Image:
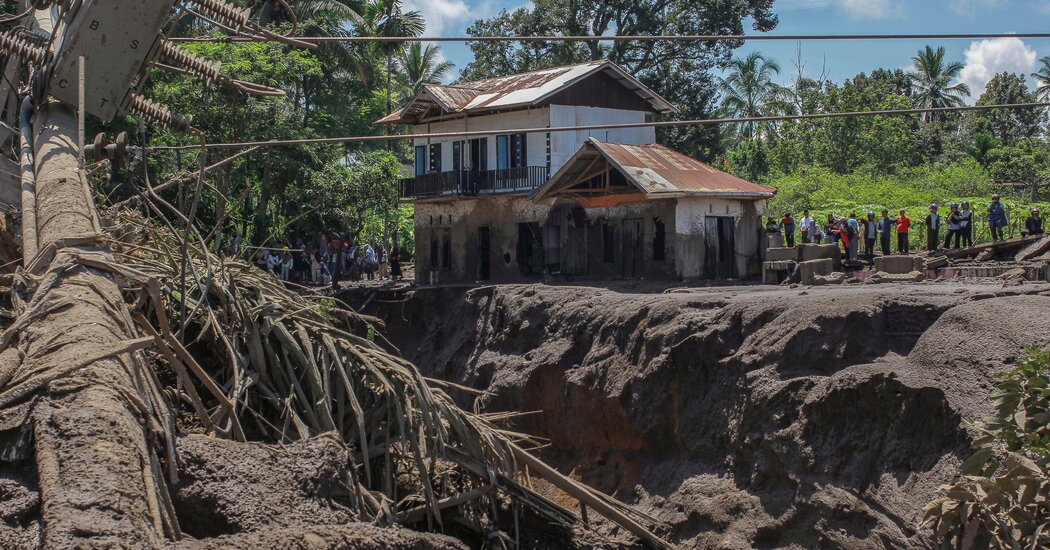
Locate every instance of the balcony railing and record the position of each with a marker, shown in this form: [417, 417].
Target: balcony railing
[469, 182]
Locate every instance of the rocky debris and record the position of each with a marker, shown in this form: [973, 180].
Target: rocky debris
[226, 487]
[743, 418]
[359, 536]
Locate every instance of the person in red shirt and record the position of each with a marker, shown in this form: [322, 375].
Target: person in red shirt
[903, 225]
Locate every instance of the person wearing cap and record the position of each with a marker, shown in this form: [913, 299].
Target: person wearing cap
[788, 224]
[1034, 224]
[887, 226]
[954, 227]
[933, 228]
[871, 231]
[966, 224]
[903, 226]
[997, 219]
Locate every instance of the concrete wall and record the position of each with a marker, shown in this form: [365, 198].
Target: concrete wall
[691, 214]
[565, 144]
[462, 218]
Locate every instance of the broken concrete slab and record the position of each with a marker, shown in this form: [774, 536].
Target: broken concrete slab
[1034, 250]
[782, 254]
[899, 265]
[809, 252]
[813, 268]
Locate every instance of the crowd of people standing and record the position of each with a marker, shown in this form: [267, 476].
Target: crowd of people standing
[327, 259]
[871, 233]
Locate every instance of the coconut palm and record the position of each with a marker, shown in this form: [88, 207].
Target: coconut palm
[1042, 78]
[748, 90]
[932, 81]
[387, 18]
[982, 146]
[423, 65]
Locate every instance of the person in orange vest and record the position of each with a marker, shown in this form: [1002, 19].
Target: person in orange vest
[788, 223]
[903, 225]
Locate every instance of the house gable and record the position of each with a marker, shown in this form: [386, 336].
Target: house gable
[599, 90]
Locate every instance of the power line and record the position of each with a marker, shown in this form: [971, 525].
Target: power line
[623, 38]
[620, 126]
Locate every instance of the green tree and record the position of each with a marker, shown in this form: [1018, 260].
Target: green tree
[423, 65]
[1009, 126]
[387, 18]
[1042, 77]
[932, 81]
[980, 150]
[748, 91]
[680, 71]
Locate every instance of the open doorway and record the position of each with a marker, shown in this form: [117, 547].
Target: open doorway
[484, 254]
[530, 249]
[719, 248]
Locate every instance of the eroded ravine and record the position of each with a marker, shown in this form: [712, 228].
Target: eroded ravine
[763, 418]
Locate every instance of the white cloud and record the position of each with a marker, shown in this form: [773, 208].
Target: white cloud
[969, 8]
[986, 58]
[857, 9]
[440, 14]
[872, 9]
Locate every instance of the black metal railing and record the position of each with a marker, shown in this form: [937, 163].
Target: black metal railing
[470, 182]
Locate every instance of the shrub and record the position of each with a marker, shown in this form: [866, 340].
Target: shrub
[1003, 498]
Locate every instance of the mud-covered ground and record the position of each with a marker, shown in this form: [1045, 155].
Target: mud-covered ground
[742, 417]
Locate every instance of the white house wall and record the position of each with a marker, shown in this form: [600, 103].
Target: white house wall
[691, 215]
[565, 144]
[498, 124]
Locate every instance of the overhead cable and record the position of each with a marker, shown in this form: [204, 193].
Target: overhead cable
[625, 38]
[590, 127]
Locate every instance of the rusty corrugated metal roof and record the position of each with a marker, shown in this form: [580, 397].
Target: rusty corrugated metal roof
[657, 170]
[513, 91]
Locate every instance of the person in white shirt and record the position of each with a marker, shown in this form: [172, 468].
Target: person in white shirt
[806, 226]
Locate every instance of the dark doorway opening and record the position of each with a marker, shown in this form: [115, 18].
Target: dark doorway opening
[632, 248]
[530, 249]
[720, 248]
[659, 240]
[484, 254]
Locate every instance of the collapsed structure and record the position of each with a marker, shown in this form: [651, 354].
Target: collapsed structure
[513, 206]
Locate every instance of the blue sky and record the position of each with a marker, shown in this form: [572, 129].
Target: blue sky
[843, 59]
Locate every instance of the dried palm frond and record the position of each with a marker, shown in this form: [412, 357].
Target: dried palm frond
[294, 365]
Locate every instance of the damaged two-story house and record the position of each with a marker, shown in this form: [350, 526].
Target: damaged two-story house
[511, 205]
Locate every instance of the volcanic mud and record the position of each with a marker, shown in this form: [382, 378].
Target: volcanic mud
[741, 417]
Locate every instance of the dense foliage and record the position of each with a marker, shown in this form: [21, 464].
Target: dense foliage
[1003, 498]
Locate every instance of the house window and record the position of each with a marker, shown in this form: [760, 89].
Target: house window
[608, 243]
[659, 240]
[435, 157]
[518, 151]
[457, 155]
[511, 151]
[479, 154]
[421, 160]
[502, 152]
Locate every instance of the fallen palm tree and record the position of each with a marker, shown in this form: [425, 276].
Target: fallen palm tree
[282, 366]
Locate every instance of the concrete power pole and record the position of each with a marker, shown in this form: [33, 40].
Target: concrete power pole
[93, 440]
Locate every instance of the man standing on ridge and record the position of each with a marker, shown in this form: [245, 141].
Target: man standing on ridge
[933, 228]
[788, 223]
[997, 219]
[806, 227]
[886, 228]
[903, 225]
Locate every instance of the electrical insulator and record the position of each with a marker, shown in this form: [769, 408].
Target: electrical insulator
[23, 47]
[208, 70]
[158, 113]
[224, 13]
[102, 149]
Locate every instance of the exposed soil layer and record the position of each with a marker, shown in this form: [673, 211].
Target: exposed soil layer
[747, 417]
